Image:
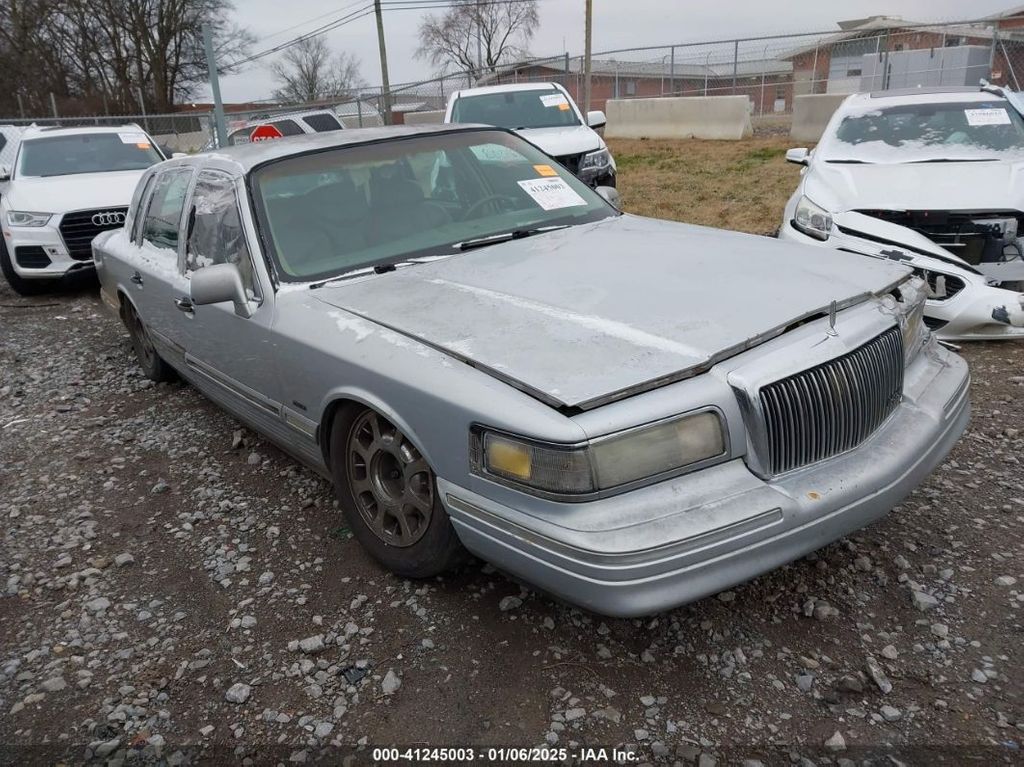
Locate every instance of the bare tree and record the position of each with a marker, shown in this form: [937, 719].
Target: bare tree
[309, 71]
[449, 41]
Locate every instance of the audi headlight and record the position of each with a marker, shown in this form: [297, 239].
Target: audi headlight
[812, 219]
[24, 218]
[598, 160]
[647, 452]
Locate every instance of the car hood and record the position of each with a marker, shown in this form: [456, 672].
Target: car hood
[586, 315]
[60, 194]
[977, 186]
[558, 142]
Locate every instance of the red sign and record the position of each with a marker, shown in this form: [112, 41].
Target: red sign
[264, 133]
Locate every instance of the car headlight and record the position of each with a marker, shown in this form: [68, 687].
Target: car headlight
[647, 452]
[24, 218]
[812, 219]
[598, 160]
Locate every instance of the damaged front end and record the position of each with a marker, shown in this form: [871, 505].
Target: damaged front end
[973, 263]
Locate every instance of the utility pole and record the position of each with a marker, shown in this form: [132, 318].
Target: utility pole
[385, 94]
[218, 105]
[587, 34]
[479, 44]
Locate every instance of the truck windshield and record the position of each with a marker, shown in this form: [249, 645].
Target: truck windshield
[66, 155]
[540, 108]
[343, 209]
[923, 132]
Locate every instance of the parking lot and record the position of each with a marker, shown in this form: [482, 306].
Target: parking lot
[176, 584]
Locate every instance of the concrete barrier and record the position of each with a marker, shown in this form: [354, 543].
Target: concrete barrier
[424, 118]
[709, 117]
[811, 113]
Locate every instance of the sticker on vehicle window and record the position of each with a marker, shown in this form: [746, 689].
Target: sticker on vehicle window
[552, 193]
[495, 153]
[133, 138]
[554, 100]
[545, 170]
[979, 117]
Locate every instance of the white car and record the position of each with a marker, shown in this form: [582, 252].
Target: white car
[932, 178]
[66, 186]
[545, 115]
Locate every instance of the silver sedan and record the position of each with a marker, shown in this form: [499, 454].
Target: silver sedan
[485, 355]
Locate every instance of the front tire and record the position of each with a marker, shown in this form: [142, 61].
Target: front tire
[388, 493]
[146, 354]
[19, 284]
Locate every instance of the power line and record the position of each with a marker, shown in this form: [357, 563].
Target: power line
[309, 21]
[353, 16]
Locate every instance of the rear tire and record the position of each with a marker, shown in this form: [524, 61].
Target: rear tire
[389, 497]
[146, 354]
[19, 284]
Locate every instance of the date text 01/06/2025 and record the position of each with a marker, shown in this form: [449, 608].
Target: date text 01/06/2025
[504, 754]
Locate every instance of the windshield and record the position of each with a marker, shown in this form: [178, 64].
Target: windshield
[541, 108]
[971, 130]
[87, 153]
[348, 208]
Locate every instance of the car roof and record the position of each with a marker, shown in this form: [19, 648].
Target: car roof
[488, 89]
[245, 157]
[37, 131]
[269, 118]
[920, 96]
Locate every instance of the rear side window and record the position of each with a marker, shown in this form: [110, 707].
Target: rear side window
[215, 227]
[288, 128]
[322, 122]
[164, 215]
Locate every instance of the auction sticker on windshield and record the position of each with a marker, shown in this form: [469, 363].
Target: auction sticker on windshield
[552, 193]
[979, 117]
[554, 100]
[139, 139]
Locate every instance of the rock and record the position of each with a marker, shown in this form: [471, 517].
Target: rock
[979, 676]
[236, 439]
[124, 559]
[878, 676]
[889, 652]
[641, 734]
[923, 601]
[862, 564]
[254, 459]
[391, 683]
[902, 562]
[891, 713]
[727, 596]
[312, 645]
[940, 630]
[805, 682]
[509, 603]
[97, 605]
[850, 683]
[238, 693]
[1005, 580]
[159, 488]
[573, 714]
[609, 714]
[323, 729]
[836, 743]
[54, 684]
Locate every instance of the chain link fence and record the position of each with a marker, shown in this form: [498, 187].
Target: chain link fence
[878, 54]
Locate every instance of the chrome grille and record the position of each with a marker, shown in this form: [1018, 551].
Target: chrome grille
[832, 408]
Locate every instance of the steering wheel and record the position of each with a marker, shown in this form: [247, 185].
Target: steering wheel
[490, 199]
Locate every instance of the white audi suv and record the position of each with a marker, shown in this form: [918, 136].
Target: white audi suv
[66, 186]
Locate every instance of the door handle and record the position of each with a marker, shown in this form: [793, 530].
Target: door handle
[137, 279]
[184, 304]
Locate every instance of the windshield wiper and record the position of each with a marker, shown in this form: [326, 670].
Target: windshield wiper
[850, 162]
[515, 234]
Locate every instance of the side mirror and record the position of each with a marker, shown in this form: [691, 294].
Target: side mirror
[5, 173]
[611, 196]
[217, 284]
[799, 156]
[596, 119]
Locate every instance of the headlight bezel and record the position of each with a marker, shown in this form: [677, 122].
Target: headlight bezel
[36, 219]
[589, 161]
[479, 464]
[803, 219]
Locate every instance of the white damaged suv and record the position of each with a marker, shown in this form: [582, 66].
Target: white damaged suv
[66, 186]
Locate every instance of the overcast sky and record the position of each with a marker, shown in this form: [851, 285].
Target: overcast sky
[617, 24]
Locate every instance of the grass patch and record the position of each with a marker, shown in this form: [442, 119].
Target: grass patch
[740, 185]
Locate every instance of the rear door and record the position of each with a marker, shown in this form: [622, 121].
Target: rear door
[158, 284]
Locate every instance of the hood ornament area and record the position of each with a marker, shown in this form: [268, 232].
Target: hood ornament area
[832, 332]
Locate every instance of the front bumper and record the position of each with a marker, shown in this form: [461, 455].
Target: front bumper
[979, 312]
[723, 525]
[40, 253]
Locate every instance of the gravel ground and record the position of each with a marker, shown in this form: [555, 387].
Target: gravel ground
[176, 587]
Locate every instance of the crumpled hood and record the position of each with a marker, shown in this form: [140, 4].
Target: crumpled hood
[979, 186]
[580, 316]
[562, 141]
[60, 194]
